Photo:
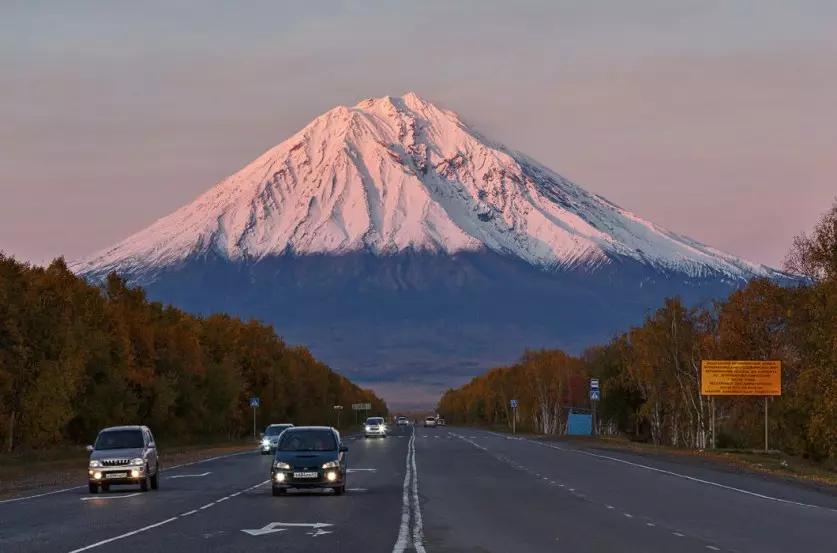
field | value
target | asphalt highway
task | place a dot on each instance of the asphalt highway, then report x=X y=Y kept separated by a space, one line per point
x=436 y=490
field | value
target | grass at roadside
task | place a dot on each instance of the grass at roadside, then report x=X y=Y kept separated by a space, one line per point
x=68 y=466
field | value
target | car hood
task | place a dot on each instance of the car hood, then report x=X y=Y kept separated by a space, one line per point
x=306 y=458
x=131 y=453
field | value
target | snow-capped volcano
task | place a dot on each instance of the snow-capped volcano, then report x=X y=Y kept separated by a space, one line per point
x=391 y=175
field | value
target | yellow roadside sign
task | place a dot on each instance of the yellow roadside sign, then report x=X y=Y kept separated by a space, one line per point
x=741 y=378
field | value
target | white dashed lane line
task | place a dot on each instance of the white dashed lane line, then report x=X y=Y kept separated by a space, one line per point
x=161 y=523
x=571 y=490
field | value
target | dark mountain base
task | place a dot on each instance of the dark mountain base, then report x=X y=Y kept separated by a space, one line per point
x=426 y=320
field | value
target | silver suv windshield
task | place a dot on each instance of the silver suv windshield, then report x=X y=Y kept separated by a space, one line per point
x=119 y=439
x=276 y=430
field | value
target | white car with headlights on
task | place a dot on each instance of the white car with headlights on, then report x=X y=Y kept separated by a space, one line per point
x=375 y=426
x=270 y=437
x=123 y=455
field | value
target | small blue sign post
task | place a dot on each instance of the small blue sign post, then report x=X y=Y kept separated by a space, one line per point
x=514 y=416
x=254 y=404
x=594 y=395
x=594 y=398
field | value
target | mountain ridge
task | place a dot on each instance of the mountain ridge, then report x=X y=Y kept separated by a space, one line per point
x=391 y=174
x=411 y=253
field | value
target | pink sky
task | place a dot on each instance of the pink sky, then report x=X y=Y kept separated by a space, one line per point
x=711 y=118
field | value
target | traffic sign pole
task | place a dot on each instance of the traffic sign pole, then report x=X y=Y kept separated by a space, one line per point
x=765 y=424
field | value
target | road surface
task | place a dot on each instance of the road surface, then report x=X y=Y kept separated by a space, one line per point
x=436 y=490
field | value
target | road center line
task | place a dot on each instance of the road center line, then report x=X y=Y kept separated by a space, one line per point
x=404 y=529
x=418 y=527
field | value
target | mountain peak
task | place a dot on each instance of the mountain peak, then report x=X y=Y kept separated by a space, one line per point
x=397 y=173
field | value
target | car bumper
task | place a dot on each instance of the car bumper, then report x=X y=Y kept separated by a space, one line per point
x=116 y=475
x=321 y=480
x=375 y=432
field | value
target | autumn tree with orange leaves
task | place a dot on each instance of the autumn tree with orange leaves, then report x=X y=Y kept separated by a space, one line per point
x=75 y=358
x=650 y=374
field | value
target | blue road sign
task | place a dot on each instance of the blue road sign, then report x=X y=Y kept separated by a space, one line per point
x=594 y=395
x=254 y=402
x=514 y=403
x=594 y=384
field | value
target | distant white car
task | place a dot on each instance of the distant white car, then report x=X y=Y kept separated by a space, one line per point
x=401 y=421
x=375 y=426
x=430 y=421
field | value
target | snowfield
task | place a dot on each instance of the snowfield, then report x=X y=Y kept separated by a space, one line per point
x=395 y=174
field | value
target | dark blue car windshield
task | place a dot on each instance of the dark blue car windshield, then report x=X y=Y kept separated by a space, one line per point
x=307 y=440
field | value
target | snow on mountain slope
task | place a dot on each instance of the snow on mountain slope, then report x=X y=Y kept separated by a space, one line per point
x=392 y=174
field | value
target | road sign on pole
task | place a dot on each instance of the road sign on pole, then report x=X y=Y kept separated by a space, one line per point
x=514 y=416
x=338 y=408
x=254 y=404
x=594 y=384
x=594 y=395
x=514 y=404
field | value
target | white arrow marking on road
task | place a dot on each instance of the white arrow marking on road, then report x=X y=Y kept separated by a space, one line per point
x=189 y=475
x=361 y=470
x=109 y=496
x=275 y=527
x=319 y=532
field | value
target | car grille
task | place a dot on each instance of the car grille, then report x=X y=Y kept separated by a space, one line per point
x=114 y=462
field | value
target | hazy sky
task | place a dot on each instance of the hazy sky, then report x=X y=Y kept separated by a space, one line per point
x=714 y=118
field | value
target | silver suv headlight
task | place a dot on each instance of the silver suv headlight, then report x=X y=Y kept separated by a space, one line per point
x=94 y=464
x=265 y=441
x=137 y=461
x=331 y=465
x=281 y=465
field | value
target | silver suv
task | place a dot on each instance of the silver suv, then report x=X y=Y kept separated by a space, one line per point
x=123 y=455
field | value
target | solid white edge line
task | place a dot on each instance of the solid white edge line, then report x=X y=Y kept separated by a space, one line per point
x=404 y=529
x=698 y=480
x=121 y=536
x=164 y=469
x=24 y=498
x=418 y=526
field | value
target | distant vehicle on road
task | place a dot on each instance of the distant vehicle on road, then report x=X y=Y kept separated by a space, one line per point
x=123 y=455
x=375 y=426
x=271 y=436
x=430 y=422
x=402 y=421
x=309 y=457
x=440 y=422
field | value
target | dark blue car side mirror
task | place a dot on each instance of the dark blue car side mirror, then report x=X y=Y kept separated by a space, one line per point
x=344 y=449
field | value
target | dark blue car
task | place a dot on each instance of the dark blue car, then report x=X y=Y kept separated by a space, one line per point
x=309 y=457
